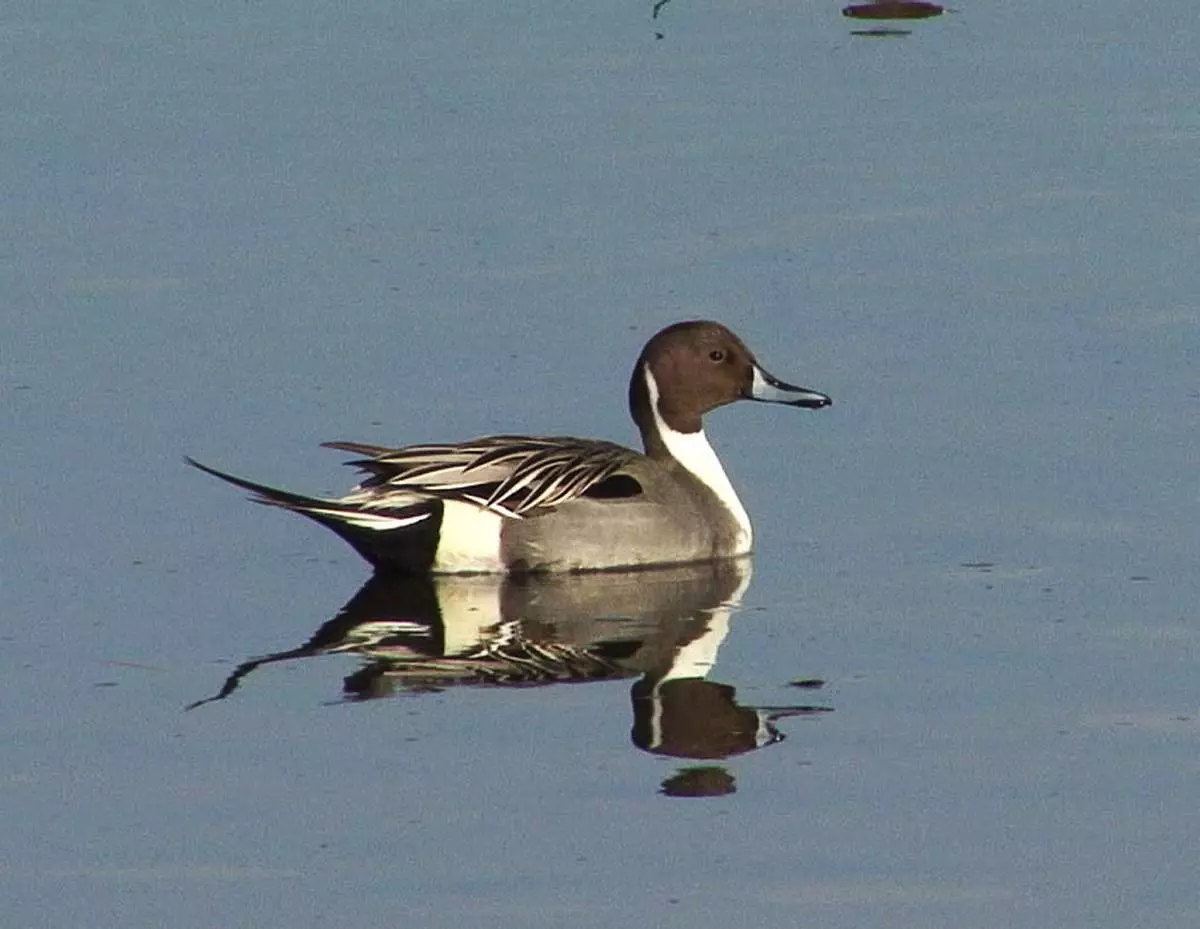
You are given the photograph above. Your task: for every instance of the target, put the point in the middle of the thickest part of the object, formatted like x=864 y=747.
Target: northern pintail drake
x=517 y=504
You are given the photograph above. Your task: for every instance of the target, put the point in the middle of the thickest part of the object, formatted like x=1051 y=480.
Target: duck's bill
x=770 y=389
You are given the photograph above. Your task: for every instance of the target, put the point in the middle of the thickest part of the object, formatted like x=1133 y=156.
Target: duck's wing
x=514 y=476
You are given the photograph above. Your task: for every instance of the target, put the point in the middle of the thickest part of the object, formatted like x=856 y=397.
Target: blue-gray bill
x=770 y=389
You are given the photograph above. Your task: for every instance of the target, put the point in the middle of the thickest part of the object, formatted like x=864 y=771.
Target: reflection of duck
x=521 y=504
x=666 y=626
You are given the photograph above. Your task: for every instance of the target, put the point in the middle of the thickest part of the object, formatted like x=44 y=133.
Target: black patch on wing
x=617 y=487
x=485 y=490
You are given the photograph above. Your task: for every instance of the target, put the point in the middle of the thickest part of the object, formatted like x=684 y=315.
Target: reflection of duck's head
x=694 y=718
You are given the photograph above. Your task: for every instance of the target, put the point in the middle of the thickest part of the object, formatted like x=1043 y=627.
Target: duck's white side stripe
x=691 y=449
x=469 y=539
x=364 y=519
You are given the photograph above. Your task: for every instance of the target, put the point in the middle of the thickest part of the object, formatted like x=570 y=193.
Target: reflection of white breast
x=470 y=608
x=696 y=658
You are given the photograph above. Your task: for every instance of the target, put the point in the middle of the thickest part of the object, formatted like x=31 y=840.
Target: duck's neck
x=689 y=450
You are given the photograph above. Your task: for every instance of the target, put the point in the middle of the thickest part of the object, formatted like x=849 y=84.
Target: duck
x=522 y=504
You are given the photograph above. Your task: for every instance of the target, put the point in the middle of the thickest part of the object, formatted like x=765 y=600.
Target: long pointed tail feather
x=271 y=496
x=381 y=535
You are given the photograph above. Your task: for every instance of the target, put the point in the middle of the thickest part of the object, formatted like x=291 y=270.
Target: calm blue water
x=235 y=231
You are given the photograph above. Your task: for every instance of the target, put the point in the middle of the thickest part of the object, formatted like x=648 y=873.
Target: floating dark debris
x=883 y=33
x=893 y=9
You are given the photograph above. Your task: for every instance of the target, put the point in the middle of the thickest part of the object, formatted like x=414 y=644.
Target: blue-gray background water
x=236 y=230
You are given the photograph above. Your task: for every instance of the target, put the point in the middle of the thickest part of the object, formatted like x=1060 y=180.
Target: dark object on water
x=881 y=33
x=893 y=9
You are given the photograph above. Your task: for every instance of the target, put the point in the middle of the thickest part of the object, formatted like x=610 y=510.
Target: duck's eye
x=717 y=355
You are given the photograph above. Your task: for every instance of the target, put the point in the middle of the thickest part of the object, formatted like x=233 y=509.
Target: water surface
x=235 y=232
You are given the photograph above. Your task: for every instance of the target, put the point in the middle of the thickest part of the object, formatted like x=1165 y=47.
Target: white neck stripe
x=691 y=449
